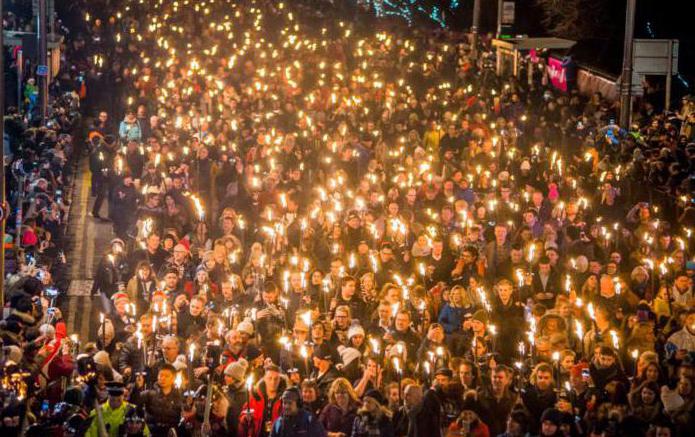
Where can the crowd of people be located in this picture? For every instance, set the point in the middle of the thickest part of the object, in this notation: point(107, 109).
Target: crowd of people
point(39, 158)
point(327, 224)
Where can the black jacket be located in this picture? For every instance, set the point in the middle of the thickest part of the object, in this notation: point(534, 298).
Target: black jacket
point(161, 411)
point(324, 381)
point(188, 325)
point(494, 413)
point(133, 356)
point(237, 398)
point(507, 319)
point(431, 421)
point(536, 402)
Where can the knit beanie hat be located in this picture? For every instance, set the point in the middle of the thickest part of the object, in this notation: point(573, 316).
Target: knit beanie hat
point(14, 353)
point(348, 354)
point(355, 329)
point(237, 369)
point(102, 358)
point(246, 327)
point(481, 316)
point(180, 363)
point(376, 395)
point(552, 415)
point(671, 399)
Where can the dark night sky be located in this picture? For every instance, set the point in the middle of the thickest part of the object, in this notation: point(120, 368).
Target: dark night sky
point(663, 18)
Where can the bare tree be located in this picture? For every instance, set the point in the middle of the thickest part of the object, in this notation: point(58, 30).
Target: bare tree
point(576, 19)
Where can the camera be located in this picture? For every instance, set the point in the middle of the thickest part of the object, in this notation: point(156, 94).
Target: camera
point(51, 292)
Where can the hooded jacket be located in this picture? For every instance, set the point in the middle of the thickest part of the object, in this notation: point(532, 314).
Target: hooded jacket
point(303, 423)
point(257, 405)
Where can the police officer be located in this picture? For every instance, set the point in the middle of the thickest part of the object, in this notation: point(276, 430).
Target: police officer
point(113, 412)
point(101, 161)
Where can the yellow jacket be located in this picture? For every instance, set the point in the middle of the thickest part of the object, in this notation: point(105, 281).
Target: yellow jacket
point(113, 419)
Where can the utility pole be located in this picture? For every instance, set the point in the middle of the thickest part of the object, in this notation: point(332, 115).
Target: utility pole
point(2, 168)
point(626, 79)
point(20, 78)
point(475, 27)
point(43, 59)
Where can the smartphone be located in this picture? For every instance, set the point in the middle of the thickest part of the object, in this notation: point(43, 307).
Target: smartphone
point(45, 408)
point(585, 375)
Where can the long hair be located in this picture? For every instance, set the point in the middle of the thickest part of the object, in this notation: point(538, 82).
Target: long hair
point(344, 385)
point(385, 288)
point(382, 411)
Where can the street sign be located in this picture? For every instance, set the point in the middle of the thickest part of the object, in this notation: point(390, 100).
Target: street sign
point(508, 9)
point(654, 57)
point(651, 56)
point(42, 70)
point(50, 8)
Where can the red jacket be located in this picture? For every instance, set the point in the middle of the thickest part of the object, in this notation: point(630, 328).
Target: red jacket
point(228, 358)
point(54, 346)
point(257, 404)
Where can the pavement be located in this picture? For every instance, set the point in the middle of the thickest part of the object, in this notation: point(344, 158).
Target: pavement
point(88, 238)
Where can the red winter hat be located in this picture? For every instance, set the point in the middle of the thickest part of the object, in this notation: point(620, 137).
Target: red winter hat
point(578, 368)
point(120, 296)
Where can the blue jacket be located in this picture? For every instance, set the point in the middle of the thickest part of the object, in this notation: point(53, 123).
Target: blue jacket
point(130, 131)
point(451, 318)
point(303, 424)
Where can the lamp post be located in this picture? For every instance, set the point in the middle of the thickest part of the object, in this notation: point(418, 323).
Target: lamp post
point(2, 169)
point(626, 82)
point(42, 28)
point(475, 27)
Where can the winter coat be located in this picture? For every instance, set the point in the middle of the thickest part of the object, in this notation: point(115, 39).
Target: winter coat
point(451, 318)
point(133, 356)
point(334, 419)
point(536, 402)
point(367, 425)
point(476, 429)
point(257, 405)
point(130, 131)
point(303, 424)
point(431, 423)
point(507, 319)
point(162, 412)
point(237, 399)
point(325, 381)
point(494, 413)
